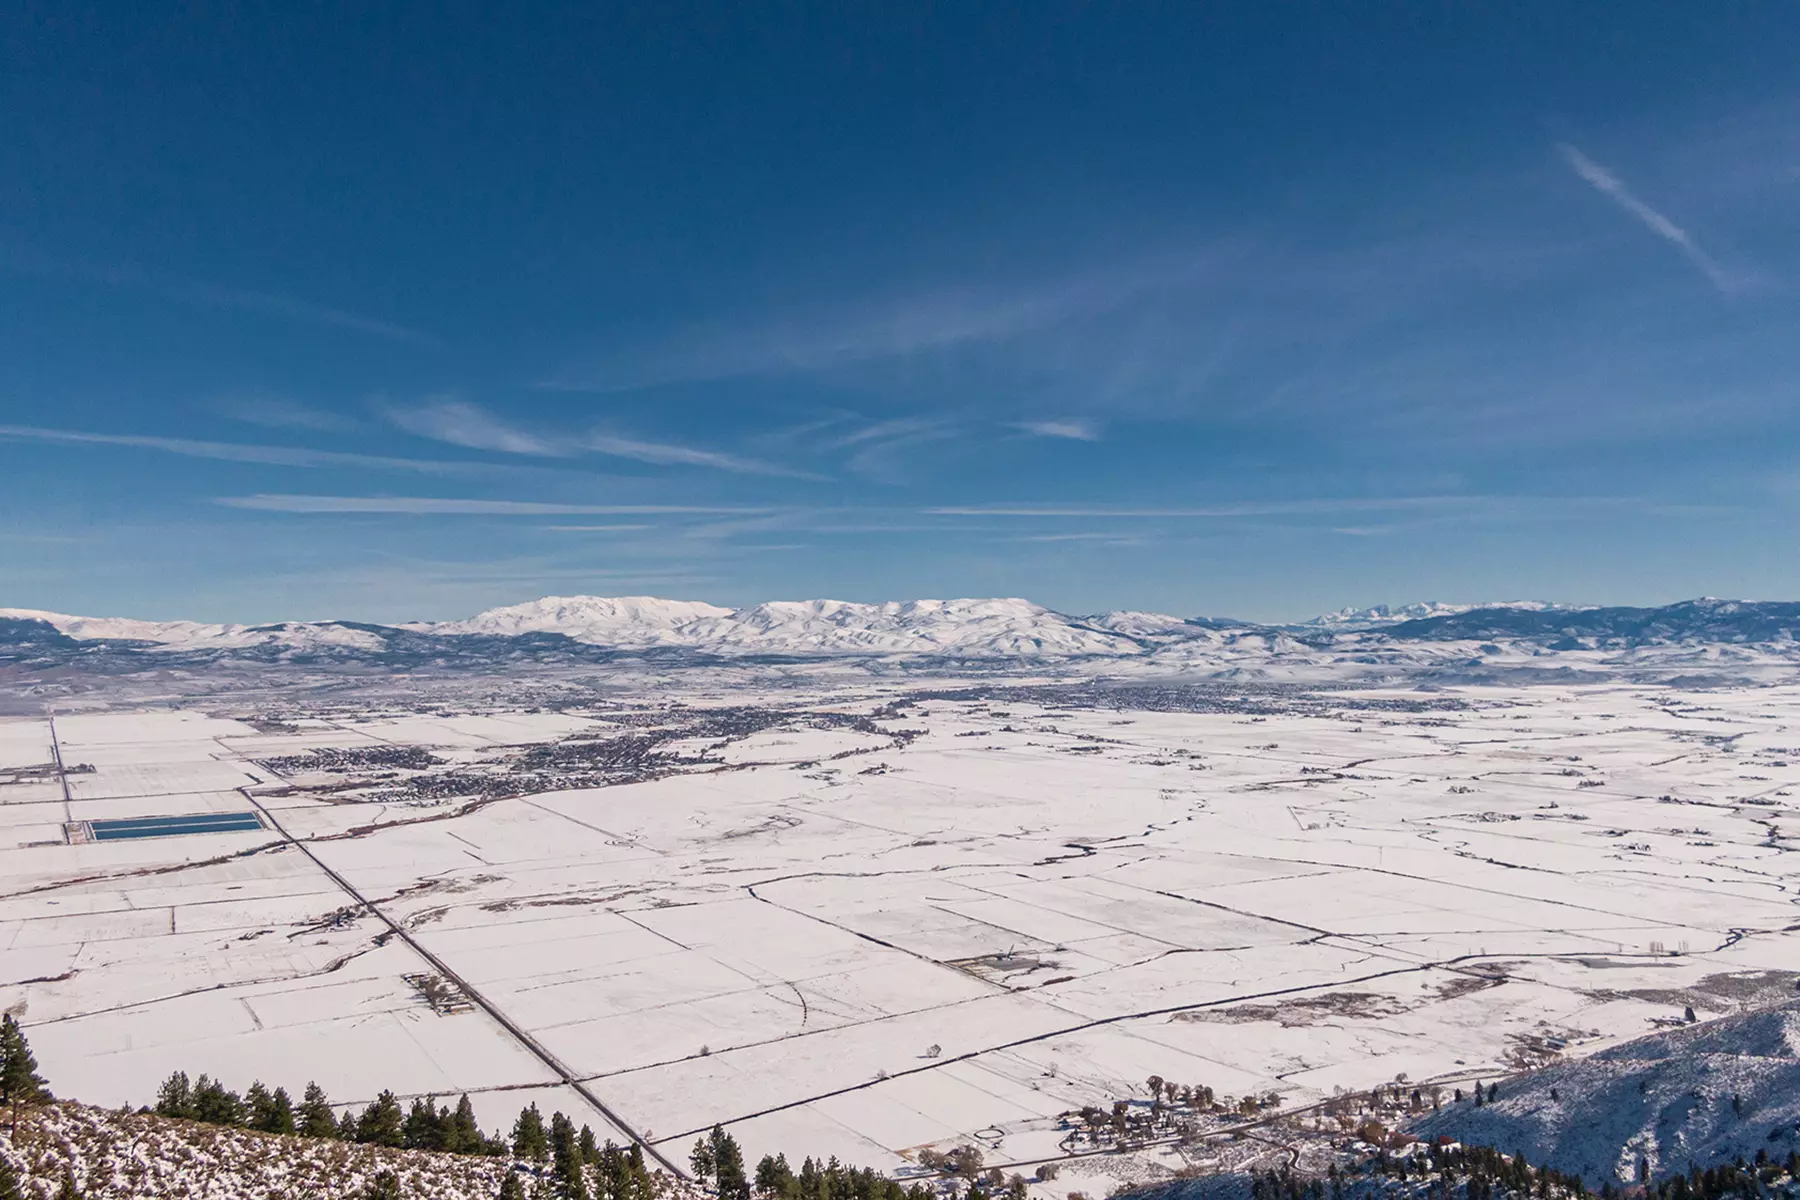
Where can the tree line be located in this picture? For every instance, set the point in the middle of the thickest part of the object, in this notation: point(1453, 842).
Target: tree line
point(579, 1166)
point(423, 1126)
point(718, 1161)
point(570, 1163)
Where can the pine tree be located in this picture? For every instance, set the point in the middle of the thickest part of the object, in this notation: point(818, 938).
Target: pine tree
point(385, 1185)
point(569, 1167)
point(176, 1097)
point(590, 1149)
point(642, 1186)
point(346, 1127)
point(215, 1104)
point(10, 1187)
point(700, 1159)
point(529, 1140)
point(270, 1112)
point(316, 1120)
point(425, 1125)
point(728, 1166)
point(511, 1187)
point(381, 1122)
point(774, 1178)
point(458, 1130)
point(281, 1113)
point(20, 1084)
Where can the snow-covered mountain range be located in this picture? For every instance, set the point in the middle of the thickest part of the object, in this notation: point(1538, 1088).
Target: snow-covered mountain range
point(1382, 614)
point(632, 622)
point(1699, 635)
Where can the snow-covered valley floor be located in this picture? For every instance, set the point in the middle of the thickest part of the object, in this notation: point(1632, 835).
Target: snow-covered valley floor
point(864, 922)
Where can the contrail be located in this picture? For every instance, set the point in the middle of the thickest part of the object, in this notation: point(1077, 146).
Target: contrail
point(1614, 189)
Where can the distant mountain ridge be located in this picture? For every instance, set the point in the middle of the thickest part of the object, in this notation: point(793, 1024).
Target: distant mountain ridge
point(1382, 614)
point(1703, 635)
point(600, 620)
point(1703, 620)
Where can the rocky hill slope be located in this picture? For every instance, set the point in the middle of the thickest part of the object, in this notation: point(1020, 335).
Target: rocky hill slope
point(1704, 1095)
point(113, 1155)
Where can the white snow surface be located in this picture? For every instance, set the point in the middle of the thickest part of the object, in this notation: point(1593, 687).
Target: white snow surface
point(944, 920)
point(1704, 1094)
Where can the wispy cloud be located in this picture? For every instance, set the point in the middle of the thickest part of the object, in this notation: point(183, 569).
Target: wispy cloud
point(1260, 508)
point(1417, 509)
point(1614, 189)
point(277, 412)
point(437, 506)
point(206, 292)
point(878, 448)
point(1105, 539)
point(1073, 428)
point(898, 326)
point(668, 453)
point(894, 429)
point(275, 456)
point(873, 448)
point(463, 424)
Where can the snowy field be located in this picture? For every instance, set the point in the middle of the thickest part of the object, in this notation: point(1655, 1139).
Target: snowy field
point(872, 924)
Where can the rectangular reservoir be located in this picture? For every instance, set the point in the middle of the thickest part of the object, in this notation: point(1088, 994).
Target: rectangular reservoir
point(174, 826)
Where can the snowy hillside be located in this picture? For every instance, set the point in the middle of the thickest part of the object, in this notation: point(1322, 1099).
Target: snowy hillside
point(116, 1155)
point(197, 635)
point(1702, 1094)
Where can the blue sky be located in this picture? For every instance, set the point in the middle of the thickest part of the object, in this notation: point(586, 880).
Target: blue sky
point(1231, 309)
